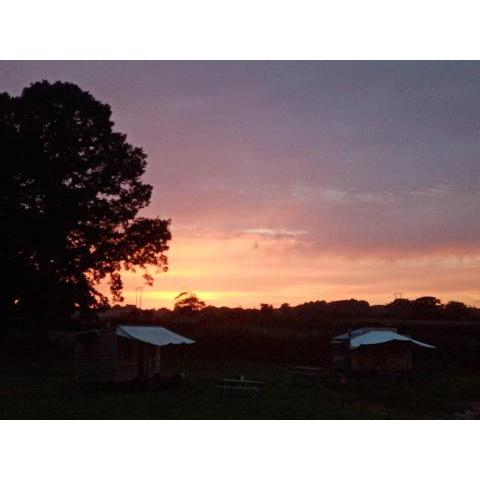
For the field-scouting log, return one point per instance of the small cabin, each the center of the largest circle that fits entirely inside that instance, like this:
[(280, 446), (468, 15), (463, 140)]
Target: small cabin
[(374, 350), (126, 353)]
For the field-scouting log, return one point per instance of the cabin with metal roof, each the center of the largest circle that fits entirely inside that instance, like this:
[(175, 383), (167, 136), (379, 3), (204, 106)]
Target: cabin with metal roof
[(374, 350), (126, 353)]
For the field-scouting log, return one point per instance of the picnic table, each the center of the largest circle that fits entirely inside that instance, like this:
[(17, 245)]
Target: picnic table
[(240, 386)]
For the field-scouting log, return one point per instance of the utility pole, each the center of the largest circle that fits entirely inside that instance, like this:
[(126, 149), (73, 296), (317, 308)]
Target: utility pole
[(138, 297), (397, 295)]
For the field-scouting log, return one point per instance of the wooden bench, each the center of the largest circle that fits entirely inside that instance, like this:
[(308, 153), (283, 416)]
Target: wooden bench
[(304, 374), (236, 386)]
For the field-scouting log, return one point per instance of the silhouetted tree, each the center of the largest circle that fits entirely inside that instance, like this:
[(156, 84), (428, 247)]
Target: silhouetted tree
[(455, 310), (401, 308), (187, 302), (428, 302), (266, 309), (70, 192), (349, 308), (427, 307)]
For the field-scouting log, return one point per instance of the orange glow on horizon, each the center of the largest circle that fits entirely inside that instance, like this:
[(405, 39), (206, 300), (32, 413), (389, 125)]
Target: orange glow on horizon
[(248, 269)]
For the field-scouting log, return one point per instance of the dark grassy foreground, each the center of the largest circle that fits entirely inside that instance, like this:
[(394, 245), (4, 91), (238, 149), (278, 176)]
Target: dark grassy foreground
[(45, 390), (37, 382)]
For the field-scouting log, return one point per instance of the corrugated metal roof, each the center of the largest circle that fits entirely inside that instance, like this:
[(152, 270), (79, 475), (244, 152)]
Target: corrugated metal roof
[(158, 336), (360, 331), (374, 337)]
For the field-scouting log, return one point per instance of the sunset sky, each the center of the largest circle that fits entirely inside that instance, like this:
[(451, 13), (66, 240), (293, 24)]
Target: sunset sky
[(298, 181)]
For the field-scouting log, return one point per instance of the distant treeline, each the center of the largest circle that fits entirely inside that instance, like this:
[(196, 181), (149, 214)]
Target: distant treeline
[(310, 314), (288, 334)]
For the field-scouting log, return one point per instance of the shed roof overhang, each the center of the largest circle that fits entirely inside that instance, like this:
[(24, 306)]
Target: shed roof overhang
[(377, 337), (158, 336)]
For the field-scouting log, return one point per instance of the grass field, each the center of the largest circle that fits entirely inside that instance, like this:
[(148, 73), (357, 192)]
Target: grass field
[(45, 390)]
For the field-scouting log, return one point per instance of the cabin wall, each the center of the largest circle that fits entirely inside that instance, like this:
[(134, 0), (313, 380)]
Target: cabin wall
[(109, 358), (341, 356), (126, 364), (154, 360), (388, 358), (95, 358), (136, 360)]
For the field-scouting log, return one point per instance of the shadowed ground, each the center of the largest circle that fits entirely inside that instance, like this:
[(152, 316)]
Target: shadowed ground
[(46, 391)]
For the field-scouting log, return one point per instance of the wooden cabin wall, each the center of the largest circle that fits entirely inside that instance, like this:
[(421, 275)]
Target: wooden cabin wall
[(129, 355), (399, 358), (365, 360), (126, 364), (95, 358), (389, 358), (110, 358), (153, 360), (341, 356)]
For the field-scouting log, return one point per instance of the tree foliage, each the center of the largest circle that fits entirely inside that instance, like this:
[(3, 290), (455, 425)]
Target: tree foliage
[(70, 195), (187, 302)]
